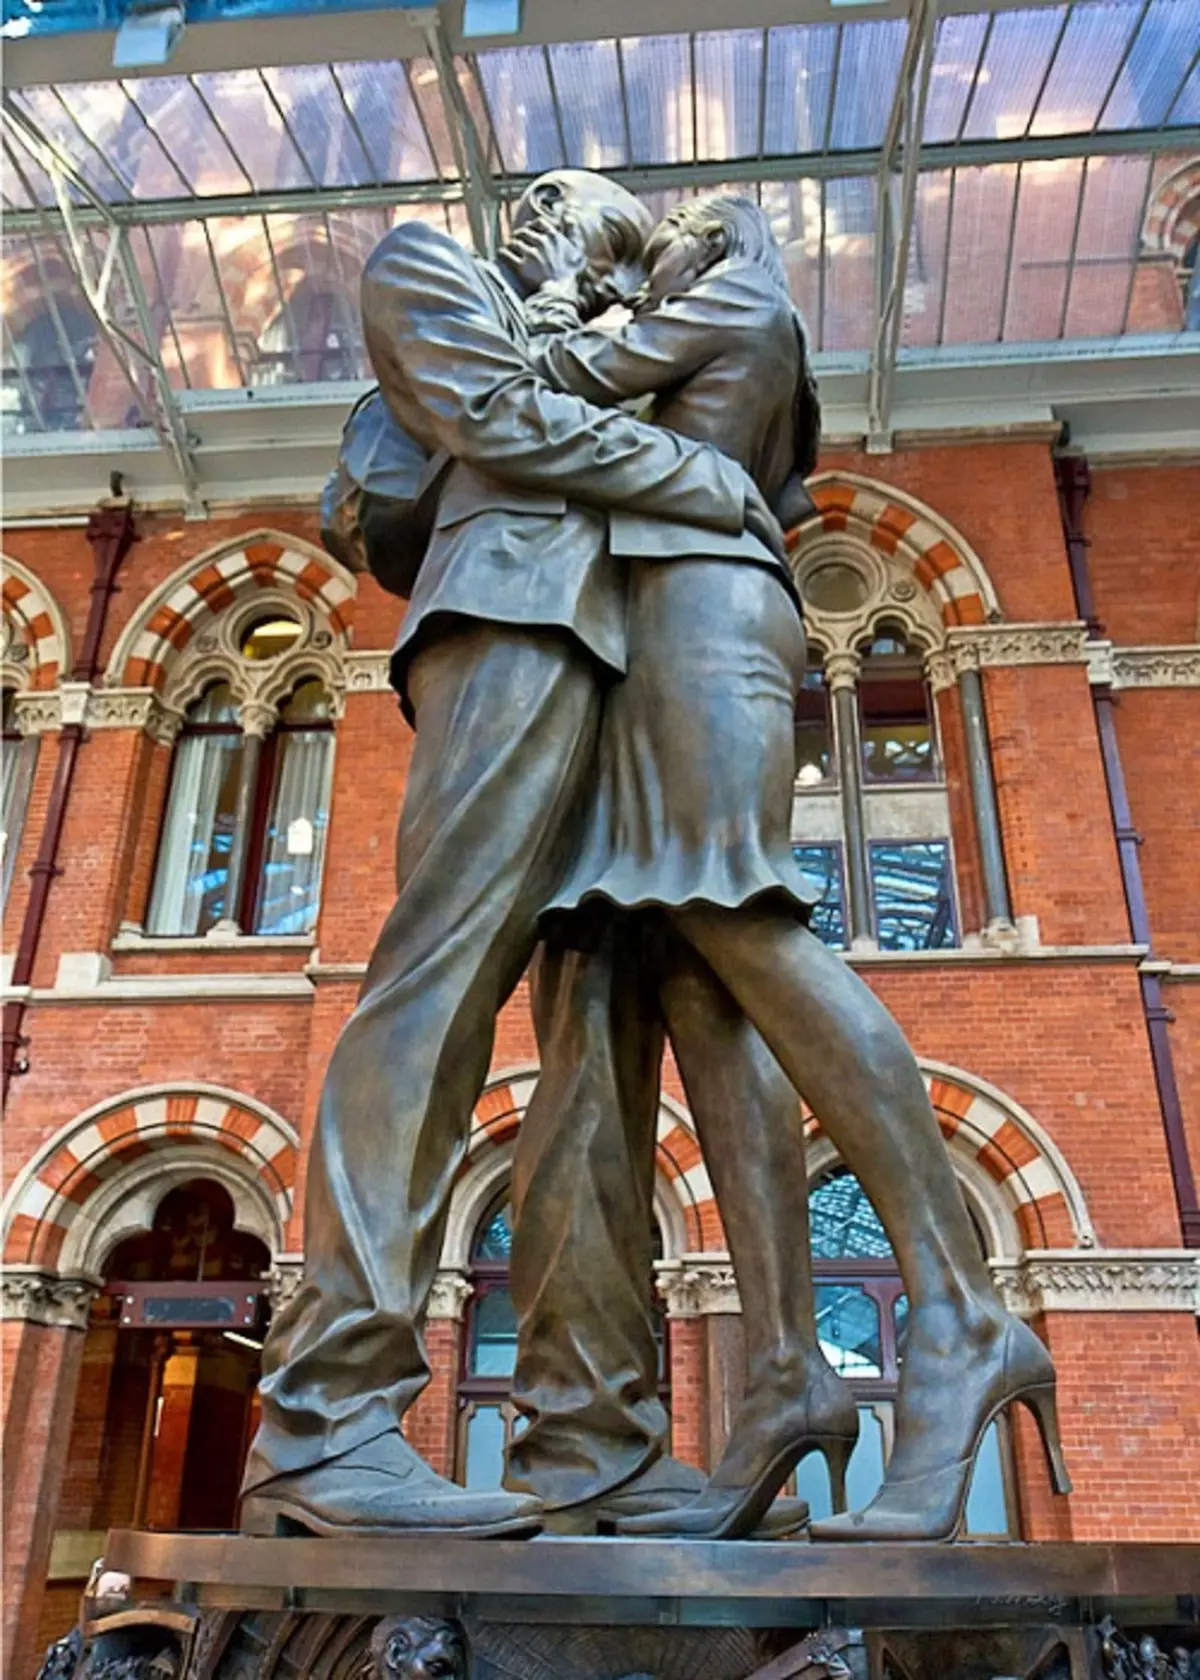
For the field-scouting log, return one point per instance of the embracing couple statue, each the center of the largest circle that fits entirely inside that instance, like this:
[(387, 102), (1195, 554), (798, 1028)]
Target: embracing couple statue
[(601, 658)]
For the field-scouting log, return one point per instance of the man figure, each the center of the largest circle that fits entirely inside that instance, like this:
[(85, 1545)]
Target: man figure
[(516, 622)]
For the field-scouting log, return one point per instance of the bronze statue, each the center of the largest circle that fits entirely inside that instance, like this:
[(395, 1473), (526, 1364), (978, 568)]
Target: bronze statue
[(601, 657), (516, 625)]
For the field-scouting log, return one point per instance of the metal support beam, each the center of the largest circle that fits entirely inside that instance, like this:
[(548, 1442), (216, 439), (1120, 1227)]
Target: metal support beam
[(895, 207), (825, 166), (470, 157), (134, 342)]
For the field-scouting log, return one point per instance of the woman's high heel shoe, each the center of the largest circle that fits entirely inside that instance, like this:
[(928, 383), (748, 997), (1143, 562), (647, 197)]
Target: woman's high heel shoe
[(757, 1462), (932, 1505)]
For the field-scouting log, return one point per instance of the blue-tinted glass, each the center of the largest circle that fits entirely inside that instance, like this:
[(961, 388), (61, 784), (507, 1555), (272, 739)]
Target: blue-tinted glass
[(844, 1224), (658, 92), (914, 908), (955, 61), (863, 1476), (987, 1507), (294, 847), (493, 1335), (828, 918), (587, 80), (494, 1241), (728, 84), (870, 62), (484, 1467), (1186, 108), (1149, 81), (848, 1329), (1084, 67), (799, 79), (1014, 66), (522, 110)]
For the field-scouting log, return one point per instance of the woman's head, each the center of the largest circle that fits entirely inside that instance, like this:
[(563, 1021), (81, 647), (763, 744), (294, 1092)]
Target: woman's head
[(701, 232)]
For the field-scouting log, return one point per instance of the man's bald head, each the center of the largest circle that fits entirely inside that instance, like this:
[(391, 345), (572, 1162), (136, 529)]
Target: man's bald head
[(608, 223)]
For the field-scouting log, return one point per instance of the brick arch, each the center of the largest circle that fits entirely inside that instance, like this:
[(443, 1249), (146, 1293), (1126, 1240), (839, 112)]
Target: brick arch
[(900, 527), (73, 1167), (1003, 1144), (1173, 216), (38, 625), (166, 623), (497, 1116)]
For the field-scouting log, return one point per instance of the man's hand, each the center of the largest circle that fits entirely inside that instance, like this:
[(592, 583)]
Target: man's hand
[(544, 254), (762, 523)]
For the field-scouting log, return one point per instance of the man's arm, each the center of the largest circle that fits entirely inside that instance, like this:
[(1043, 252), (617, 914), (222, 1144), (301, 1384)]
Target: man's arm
[(434, 341), (651, 352)]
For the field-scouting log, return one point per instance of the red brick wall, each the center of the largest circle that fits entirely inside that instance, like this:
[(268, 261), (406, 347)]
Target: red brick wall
[(1145, 553)]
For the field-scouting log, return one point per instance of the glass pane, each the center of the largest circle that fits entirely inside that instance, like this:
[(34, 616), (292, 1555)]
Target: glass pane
[(1014, 65), (494, 1240), (493, 1350), (896, 720), (517, 86), (828, 919), (925, 279), (587, 80), (799, 81), (184, 125), (848, 1329), (112, 122), (253, 128), (1107, 247), (844, 1224), (1041, 253), (268, 637), (728, 82), (976, 265), (956, 58), (484, 1467), (658, 90), (863, 1476), (850, 262), (48, 359), (914, 906), (1149, 82), (870, 62), (328, 144), (987, 1507), (836, 588), (289, 890), (814, 732), (1084, 67), (382, 105), (193, 861)]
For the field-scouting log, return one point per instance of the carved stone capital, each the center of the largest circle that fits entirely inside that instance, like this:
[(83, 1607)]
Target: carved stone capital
[(1156, 667), (368, 672), (37, 712), (939, 670), (697, 1285), (283, 1279), (1100, 1280), (842, 669), (450, 1293), (257, 717), (972, 647), (41, 1297)]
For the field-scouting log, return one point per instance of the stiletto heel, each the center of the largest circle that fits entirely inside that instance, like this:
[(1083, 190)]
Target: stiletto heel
[(836, 1451), (1043, 1403)]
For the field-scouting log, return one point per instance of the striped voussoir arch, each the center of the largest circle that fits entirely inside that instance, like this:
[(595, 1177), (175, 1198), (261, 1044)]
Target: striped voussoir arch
[(78, 1160), (974, 1124), (896, 530), (31, 613), (1173, 219), (214, 583)]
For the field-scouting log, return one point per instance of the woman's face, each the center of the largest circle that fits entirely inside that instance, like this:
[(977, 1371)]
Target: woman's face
[(675, 258)]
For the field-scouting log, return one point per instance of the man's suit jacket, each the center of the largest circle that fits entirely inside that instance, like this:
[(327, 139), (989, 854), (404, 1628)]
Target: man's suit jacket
[(521, 532)]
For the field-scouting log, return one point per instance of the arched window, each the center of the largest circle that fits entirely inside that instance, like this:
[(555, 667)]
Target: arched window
[(243, 839), (1189, 280), (314, 337), (861, 1312), (487, 1418), (871, 819), (17, 757), (47, 368)]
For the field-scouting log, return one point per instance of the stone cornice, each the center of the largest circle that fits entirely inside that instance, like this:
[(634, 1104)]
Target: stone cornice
[(368, 671), (40, 1297), (1100, 1280), (973, 647), (39, 712), (1156, 667), (697, 1285), (451, 1291)]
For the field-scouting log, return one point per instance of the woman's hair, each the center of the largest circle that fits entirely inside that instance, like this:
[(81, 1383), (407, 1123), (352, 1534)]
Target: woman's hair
[(746, 230)]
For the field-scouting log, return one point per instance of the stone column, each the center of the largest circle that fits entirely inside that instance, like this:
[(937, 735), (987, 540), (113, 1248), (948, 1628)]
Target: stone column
[(257, 721), (708, 1350), (171, 1426), (841, 676), (997, 903), (45, 1322)]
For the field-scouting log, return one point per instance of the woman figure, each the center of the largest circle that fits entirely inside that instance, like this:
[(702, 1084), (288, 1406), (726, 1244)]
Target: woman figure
[(690, 826)]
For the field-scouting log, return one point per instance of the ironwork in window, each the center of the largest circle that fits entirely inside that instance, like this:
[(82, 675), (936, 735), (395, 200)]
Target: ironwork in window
[(816, 765), (285, 810), (487, 1419), (861, 1314), (914, 901), (46, 371), (313, 337), (824, 865)]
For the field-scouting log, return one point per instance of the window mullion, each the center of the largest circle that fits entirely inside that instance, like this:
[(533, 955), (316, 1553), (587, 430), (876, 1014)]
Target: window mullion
[(841, 674), (256, 719)]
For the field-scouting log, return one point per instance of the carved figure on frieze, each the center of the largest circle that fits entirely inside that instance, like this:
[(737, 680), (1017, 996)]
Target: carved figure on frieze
[(420, 1648)]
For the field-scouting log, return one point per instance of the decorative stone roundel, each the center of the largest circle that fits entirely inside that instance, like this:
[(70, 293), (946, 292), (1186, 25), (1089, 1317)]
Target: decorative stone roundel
[(73, 1166)]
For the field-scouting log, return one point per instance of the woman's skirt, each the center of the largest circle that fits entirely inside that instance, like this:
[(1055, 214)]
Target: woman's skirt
[(696, 758)]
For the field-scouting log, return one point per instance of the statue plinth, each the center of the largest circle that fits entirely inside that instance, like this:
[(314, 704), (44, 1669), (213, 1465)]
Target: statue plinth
[(581, 1609)]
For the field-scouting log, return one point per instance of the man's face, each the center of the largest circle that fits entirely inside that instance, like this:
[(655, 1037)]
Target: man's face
[(612, 272)]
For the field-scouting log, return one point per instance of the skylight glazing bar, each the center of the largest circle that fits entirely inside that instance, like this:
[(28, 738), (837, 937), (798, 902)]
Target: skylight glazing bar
[(157, 139), (28, 392), (166, 306), (624, 103), (423, 121), (225, 139), (822, 266), (1073, 251), (285, 305), (1122, 61), (105, 161), (834, 78), (555, 105), (764, 51), (223, 304), (62, 337), (1147, 195), (1049, 70), (1009, 252), (355, 126), (313, 179), (965, 118), (469, 156), (1179, 91), (940, 334)]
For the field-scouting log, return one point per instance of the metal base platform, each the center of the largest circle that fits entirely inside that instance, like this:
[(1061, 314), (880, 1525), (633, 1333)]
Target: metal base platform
[(226, 1607)]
